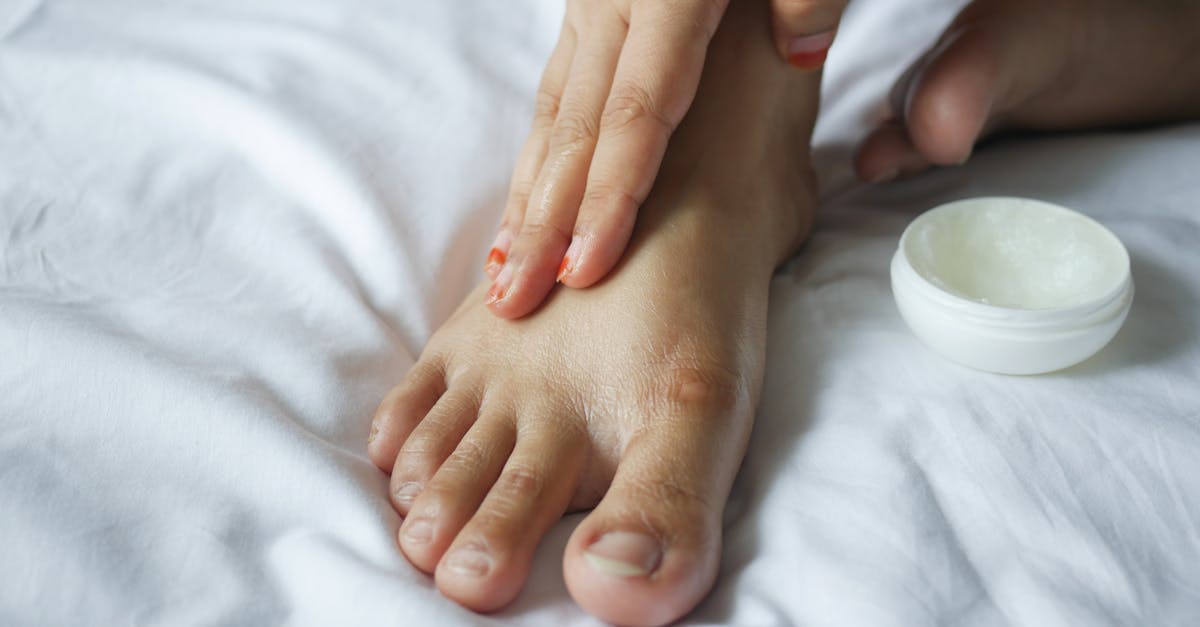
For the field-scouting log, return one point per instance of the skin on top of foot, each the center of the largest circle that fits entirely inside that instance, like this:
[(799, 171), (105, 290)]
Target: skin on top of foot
[(620, 79), (633, 398)]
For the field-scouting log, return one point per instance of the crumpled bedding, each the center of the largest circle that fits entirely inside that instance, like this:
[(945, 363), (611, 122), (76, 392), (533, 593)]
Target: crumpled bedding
[(227, 228)]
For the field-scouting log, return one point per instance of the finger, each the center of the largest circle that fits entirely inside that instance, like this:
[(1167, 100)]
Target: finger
[(656, 79), (554, 202), (533, 153), (804, 29)]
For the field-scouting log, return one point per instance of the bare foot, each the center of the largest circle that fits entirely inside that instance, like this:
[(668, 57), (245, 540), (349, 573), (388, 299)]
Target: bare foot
[(1038, 65), (635, 397)]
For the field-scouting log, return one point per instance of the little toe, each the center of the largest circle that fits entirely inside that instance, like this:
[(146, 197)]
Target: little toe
[(450, 498), (649, 552), (490, 559), (402, 409), (430, 443)]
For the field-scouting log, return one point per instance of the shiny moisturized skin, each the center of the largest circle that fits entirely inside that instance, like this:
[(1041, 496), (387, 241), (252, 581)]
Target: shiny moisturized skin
[(1011, 285)]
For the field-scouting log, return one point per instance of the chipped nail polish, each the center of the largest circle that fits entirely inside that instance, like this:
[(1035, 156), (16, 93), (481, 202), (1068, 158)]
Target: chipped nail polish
[(624, 554), (498, 255), (569, 260), (809, 52), (500, 286), (563, 269), (495, 259)]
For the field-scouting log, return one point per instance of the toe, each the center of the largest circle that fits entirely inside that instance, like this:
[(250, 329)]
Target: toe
[(888, 154), (951, 99), (402, 409), (490, 559), (450, 498), (430, 443), (654, 541)]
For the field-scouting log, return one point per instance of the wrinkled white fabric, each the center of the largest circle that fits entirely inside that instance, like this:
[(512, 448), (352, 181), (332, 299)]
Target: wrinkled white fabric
[(227, 227)]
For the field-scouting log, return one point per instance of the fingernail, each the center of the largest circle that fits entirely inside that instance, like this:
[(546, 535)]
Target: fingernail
[(407, 493), (500, 286), (568, 262), (624, 554), (809, 52), (419, 530), (884, 176), (498, 254), (469, 561)]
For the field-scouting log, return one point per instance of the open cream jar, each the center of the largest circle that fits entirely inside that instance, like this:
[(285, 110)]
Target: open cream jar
[(1011, 285)]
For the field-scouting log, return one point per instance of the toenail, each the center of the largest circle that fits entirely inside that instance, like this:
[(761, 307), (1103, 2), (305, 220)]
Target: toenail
[(374, 433), (469, 561), (406, 493), (419, 531), (624, 554)]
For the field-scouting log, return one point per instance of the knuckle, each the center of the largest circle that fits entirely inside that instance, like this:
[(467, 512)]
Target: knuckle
[(573, 129), (614, 198), (519, 195), (467, 456), (520, 483), (545, 231), (630, 104), (545, 107)]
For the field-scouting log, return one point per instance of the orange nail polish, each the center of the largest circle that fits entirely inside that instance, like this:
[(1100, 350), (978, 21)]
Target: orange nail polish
[(809, 52), (501, 285), (564, 269), (495, 259), (808, 60), (498, 255), (495, 294)]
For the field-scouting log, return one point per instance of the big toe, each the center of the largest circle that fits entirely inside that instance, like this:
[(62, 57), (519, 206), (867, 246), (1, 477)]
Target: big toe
[(977, 79), (649, 552)]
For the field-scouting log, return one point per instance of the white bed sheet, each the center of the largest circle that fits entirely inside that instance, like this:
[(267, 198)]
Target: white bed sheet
[(227, 227)]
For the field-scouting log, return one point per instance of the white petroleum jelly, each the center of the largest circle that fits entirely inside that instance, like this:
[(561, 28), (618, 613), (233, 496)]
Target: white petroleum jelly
[(1011, 285)]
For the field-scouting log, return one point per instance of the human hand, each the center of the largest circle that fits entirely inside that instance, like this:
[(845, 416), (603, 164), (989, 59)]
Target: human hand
[(617, 84)]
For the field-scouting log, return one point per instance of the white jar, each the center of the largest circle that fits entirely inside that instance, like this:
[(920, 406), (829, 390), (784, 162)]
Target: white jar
[(1011, 285)]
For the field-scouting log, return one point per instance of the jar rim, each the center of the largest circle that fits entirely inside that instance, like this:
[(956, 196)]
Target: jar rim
[(1095, 310)]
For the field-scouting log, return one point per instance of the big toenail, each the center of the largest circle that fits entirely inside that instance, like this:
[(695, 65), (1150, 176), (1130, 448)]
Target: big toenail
[(624, 554), (419, 531), (407, 493), (374, 433), (470, 562)]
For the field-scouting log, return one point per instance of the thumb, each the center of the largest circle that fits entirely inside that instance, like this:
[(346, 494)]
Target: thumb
[(804, 29)]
